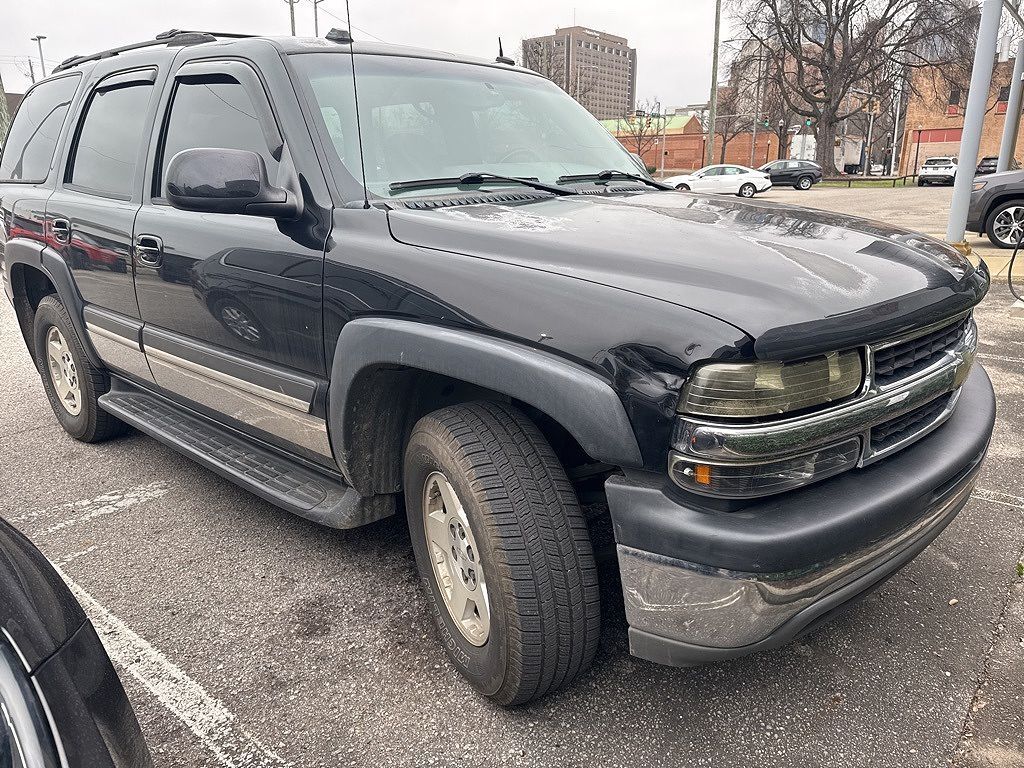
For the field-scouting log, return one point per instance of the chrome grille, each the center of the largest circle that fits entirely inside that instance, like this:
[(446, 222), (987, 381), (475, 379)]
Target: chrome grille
[(890, 433), (904, 358)]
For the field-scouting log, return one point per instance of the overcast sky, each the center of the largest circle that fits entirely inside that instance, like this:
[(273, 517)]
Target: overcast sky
[(673, 37)]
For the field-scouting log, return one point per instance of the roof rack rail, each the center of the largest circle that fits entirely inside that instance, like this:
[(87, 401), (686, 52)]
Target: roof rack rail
[(169, 38)]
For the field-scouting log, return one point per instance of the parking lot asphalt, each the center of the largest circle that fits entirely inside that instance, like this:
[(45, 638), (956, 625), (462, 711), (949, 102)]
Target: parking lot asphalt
[(247, 637)]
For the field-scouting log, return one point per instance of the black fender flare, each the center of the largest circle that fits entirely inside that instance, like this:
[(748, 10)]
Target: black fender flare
[(579, 399), (39, 256)]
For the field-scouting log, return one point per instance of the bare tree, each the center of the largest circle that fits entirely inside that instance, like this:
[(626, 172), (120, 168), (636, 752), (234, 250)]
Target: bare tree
[(730, 121), (544, 58), (824, 51), (641, 130)]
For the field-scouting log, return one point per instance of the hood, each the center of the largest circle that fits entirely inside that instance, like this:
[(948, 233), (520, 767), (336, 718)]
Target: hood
[(796, 280)]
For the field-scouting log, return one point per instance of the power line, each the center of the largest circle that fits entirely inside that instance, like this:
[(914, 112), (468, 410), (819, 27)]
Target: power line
[(358, 29)]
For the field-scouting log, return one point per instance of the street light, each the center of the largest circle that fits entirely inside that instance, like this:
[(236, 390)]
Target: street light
[(39, 40), (782, 133)]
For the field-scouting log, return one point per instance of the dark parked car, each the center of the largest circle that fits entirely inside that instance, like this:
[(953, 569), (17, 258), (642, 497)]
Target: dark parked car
[(61, 704), (986, 166), (453, 293), (997, 208), (802, 174)]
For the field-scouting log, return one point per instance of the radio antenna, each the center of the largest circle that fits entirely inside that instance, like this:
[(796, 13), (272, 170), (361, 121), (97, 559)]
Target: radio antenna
[(355, 95)]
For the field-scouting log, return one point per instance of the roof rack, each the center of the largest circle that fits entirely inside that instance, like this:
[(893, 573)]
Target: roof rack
[(169, 38)]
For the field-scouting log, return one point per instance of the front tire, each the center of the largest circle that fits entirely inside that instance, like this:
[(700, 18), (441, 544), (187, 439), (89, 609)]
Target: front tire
[(72, 384), (503, 550), (1005, 224), (683, 187), (747, 191)]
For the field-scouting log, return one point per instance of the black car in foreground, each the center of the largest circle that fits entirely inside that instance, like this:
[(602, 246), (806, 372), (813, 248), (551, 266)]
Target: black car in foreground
[(997, 208), (363, 279), (801, 174), (61, 703)]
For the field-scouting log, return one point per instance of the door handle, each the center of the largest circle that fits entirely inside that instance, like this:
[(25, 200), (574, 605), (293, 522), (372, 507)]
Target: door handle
[(61, 230), (149, 250)]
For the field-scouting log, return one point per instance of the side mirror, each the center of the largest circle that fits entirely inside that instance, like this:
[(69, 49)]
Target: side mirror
[(226, 181)]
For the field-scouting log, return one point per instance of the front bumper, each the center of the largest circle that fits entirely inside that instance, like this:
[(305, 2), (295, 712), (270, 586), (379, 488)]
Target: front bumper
[(703, 585)]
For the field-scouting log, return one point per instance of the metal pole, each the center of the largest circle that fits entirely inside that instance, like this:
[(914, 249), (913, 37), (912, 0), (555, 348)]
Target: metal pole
[(896, 128), (867, 145), (1013, 106), (757, 105), (316, 17), (42, 64), (709, 146), (31, 70), (974, 120), (917, 154), (291, 13)]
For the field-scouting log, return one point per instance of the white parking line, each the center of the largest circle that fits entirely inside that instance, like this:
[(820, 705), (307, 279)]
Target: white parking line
[(90, 509), (204, 715), (1004, 358), (999, 497)]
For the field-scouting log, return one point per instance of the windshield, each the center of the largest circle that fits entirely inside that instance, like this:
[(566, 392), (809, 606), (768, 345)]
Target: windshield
[(426, 119)]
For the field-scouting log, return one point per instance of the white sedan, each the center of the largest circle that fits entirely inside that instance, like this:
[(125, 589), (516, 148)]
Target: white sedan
[(723, 179)]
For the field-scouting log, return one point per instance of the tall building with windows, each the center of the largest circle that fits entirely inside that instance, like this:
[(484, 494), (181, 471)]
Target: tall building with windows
[(595, 68)]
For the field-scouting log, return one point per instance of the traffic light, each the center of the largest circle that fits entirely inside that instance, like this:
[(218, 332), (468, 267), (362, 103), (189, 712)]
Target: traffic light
[(808, 122), (764, 120)]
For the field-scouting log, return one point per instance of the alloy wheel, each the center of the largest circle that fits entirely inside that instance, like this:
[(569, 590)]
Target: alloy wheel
[(455, 558), (63, 371), (1008, 225)]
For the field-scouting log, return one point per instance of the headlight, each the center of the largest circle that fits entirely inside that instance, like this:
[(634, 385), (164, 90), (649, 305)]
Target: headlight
[(747, 390), (743, 481), (978, 185)]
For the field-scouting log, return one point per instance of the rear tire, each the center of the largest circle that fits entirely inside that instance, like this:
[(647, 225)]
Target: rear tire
[(72, 384), (804, 183), (747, 191), (525, 620)]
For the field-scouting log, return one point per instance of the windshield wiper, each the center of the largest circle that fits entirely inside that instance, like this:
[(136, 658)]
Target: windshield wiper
[(609, 175), (477, 178)]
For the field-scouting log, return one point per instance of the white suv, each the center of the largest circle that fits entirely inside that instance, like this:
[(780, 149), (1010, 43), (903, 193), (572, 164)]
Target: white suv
[(937, 170)]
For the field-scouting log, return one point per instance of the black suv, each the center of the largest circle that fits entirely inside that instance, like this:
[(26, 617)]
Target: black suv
[(801, 174), (355, 278)]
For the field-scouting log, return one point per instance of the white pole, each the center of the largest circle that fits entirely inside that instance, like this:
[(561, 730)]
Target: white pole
[(1013, 105), (974, 120), (867, 146)]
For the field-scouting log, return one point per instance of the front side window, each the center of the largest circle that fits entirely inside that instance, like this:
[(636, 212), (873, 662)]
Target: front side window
[(216, 114), (32, 139), (427, 119), (107, 148)]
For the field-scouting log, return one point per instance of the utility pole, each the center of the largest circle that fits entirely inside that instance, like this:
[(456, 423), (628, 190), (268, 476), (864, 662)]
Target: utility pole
[(867, 145), (42, 64), (31, 70), (291, 13), (316, 18), (757, 105), (709, 146), (896, 128)]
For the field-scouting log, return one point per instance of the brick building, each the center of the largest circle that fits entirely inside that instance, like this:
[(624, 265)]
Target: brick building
[(683, 146), (935, 118), (595, 68)]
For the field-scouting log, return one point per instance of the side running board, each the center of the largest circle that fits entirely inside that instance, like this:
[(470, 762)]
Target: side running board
[(281, 481)]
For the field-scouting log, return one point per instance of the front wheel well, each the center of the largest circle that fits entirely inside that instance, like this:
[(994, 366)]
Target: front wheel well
[(384, 404)]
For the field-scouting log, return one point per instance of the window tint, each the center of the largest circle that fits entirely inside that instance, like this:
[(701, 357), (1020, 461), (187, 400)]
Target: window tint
[(713, 172), (216, 115), (109, 140), (33, 136), (732, 170)]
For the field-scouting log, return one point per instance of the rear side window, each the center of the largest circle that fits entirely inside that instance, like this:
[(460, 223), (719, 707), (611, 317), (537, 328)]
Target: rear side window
[(109, 139), (33, 136), (216, 115)]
